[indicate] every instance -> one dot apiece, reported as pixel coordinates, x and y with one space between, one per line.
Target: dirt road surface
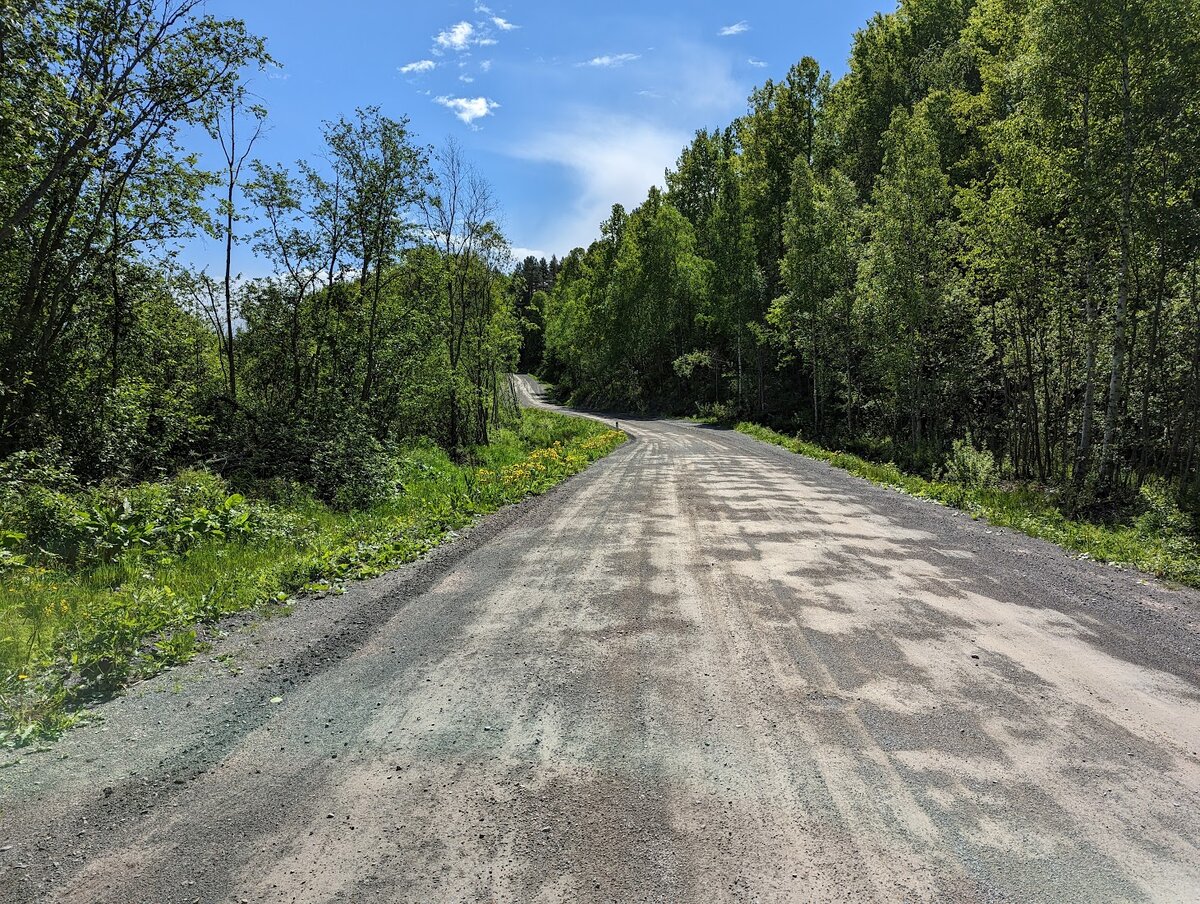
704 670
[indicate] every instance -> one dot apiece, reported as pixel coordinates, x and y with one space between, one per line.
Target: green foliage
93 351
1162 515
970 467
353 470
99 524
715 412
632 310
343 396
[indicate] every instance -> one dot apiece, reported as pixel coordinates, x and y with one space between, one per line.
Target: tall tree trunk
1116 375
372 330
229 252
1152 363
1083 455
1191 416
1116 386
117 313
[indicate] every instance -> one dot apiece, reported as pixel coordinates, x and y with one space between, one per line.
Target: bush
49 520
194 488
93 526
969 467
716 412
144 431
45 468
1162 514
354 470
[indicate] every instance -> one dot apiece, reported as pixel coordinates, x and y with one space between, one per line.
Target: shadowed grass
1156 542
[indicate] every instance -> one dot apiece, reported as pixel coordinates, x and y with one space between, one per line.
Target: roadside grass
1157 541
99 588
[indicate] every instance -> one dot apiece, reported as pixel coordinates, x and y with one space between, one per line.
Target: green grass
1158 541
73 627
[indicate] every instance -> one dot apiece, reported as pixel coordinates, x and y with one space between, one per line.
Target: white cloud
700 81
485 66
484 10
519 254
418 66
466 79
736 29
703 79
456 37
613 159
503 24
609 61
760 64
486 42
468 109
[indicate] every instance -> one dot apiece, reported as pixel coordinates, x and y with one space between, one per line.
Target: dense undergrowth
1154 536
100 586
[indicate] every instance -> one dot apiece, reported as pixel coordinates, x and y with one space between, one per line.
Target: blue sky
564 108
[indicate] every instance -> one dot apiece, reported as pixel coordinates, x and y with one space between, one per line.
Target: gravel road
704 670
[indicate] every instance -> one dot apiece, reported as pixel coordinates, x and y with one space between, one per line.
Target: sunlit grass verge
1157 541
76 626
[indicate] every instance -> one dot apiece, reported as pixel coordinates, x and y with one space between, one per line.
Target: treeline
987 229
390 314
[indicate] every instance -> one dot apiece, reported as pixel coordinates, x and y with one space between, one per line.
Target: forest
985 233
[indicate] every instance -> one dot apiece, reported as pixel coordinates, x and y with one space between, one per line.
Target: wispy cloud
608 61
519 254
759 64
456 37
485 66
484 10
736 29
418 66
613 159
701 79
503 24
468 109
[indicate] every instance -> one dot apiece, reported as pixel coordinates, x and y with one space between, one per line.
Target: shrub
144 431
969 467
1161 514
97 525
195 488
49 519
354 470
45 468
717 412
